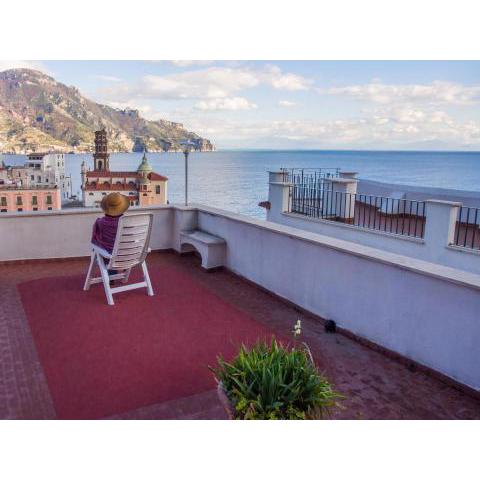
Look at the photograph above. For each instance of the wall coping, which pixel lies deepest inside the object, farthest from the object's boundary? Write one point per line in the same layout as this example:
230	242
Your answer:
283	184
408	188
458	248
77	211
341	180
443	202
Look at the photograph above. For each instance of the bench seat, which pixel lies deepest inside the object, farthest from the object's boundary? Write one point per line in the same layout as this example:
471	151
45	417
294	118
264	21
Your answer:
211	248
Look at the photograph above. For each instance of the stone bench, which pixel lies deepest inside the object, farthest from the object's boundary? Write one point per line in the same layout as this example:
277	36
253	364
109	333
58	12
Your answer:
211	248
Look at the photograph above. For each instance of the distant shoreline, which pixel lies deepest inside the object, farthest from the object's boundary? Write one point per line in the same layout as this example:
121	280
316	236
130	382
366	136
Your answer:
269	150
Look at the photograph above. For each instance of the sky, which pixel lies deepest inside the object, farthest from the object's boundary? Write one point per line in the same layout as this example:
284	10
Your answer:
401	105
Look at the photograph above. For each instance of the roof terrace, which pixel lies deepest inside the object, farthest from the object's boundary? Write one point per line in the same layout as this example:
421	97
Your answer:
404	349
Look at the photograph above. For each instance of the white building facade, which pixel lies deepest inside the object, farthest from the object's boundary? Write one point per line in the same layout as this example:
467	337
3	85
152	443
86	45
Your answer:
44	169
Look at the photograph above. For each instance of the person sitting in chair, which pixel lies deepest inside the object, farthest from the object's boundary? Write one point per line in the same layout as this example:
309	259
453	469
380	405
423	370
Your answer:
105	228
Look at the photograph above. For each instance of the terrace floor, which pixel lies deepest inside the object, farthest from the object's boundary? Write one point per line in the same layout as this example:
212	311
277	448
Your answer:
65	354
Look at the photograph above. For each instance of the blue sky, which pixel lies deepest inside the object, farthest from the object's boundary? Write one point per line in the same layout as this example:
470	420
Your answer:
295	104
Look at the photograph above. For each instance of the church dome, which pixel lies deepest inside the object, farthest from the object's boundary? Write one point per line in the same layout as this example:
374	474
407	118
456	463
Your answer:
144	168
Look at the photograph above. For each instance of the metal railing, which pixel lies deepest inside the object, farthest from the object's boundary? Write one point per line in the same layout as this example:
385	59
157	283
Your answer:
309	175
467	228
385	214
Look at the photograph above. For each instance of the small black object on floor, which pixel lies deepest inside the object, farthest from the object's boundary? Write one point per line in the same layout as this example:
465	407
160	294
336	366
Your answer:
330	326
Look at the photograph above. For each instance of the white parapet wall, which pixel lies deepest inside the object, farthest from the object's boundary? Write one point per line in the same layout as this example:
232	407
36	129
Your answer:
414	192
422	310
66	233
436	246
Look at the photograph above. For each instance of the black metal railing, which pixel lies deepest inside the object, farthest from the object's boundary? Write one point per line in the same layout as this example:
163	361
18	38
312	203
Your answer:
309	175
467	228
390	215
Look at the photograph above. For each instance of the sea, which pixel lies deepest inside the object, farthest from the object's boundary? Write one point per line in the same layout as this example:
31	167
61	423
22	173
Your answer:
237	180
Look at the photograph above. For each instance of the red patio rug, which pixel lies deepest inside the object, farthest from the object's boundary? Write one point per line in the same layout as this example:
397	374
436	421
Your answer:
101	360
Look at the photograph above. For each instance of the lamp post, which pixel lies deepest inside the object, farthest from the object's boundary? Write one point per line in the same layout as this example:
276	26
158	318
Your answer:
187	148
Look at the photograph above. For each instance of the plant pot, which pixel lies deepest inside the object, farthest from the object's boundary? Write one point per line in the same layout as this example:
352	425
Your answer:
225	401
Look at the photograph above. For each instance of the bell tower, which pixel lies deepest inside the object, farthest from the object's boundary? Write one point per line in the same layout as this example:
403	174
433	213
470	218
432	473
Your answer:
101	157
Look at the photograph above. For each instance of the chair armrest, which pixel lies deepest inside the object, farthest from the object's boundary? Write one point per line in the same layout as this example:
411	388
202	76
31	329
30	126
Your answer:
101	251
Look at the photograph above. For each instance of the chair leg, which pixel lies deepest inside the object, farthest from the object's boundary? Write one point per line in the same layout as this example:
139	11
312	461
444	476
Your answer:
89	273
127	275
105	279
147	279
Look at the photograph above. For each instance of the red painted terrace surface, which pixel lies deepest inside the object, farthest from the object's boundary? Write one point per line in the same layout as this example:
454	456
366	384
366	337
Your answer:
66	354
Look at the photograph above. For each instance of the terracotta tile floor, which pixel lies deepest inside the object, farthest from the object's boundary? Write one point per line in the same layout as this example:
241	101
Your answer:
375	386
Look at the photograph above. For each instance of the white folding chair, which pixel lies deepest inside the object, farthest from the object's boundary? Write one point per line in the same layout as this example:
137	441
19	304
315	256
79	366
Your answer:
130	249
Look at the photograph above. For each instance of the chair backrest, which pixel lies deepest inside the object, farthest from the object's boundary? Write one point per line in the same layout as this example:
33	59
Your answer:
132	241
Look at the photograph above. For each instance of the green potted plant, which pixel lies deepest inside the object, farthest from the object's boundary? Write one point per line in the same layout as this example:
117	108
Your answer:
273	381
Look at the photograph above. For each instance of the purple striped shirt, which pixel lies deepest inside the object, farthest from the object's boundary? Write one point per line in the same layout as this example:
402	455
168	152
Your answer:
105	231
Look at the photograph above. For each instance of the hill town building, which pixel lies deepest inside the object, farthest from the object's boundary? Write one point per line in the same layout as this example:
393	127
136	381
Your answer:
39	184
43	170
143	187
28	199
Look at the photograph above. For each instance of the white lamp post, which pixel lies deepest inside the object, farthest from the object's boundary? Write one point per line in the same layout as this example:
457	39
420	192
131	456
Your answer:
187	148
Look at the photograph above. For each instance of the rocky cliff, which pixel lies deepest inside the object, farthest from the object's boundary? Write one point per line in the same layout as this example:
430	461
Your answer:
39	113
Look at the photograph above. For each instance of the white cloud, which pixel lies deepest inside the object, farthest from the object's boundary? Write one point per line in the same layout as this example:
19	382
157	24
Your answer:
107	78
228	103
437	92
208	83
392	116
190	63
286	103
285	81
384	128
213	82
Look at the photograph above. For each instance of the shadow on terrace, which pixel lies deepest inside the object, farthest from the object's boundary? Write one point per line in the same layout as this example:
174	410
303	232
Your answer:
67	354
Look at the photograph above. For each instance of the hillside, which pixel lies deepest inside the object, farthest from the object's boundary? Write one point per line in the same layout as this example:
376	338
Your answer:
39	113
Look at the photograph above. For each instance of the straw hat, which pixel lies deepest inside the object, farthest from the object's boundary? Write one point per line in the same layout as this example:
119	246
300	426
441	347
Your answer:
114	204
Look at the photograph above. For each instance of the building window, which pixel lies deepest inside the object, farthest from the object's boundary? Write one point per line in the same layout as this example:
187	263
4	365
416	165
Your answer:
157	189
3	210
49	208
32	177
19	209
144	187
144	194
91	194
104	193
3	201
49	199
35	209
39	179
34	200
19	201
